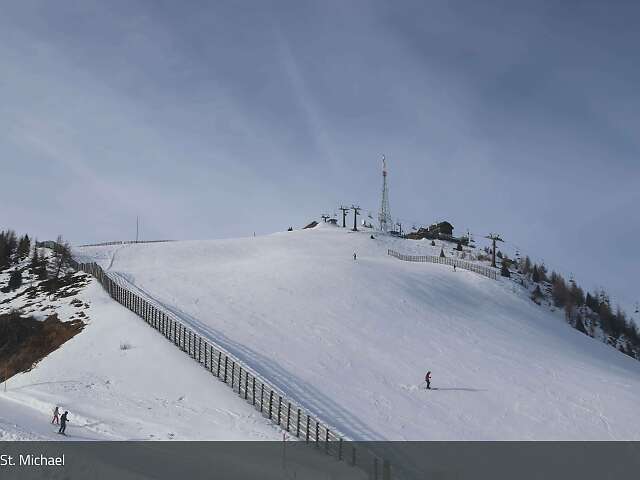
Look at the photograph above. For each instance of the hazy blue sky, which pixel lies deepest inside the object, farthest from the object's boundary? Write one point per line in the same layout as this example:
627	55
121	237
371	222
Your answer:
216	119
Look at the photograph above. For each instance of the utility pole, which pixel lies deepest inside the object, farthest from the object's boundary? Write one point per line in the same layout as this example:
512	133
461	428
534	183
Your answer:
399	224
494	237
356	212
344	215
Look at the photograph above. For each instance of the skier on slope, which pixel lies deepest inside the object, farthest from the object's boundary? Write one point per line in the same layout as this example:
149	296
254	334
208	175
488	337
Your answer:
427	378
63	423
354	255
56	413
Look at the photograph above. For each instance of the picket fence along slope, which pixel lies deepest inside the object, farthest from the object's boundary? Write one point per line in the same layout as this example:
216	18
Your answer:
481	269
248	385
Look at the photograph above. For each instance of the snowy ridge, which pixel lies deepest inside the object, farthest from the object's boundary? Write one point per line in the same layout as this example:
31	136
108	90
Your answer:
353	338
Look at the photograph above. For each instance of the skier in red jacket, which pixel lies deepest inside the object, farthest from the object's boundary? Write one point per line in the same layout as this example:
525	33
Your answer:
427	378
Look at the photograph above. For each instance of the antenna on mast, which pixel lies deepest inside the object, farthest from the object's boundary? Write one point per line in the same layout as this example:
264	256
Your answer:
384	217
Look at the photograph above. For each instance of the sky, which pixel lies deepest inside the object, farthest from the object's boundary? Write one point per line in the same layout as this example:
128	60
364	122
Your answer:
220	119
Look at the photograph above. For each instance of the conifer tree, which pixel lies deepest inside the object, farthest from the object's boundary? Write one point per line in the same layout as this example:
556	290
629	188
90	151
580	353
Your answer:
537	293
15	279
35	259
24	245
8	246
535	275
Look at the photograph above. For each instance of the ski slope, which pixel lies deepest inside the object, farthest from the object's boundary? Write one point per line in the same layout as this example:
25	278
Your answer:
150	391
352	340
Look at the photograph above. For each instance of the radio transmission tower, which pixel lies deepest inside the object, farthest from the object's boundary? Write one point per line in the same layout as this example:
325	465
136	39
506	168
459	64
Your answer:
384	217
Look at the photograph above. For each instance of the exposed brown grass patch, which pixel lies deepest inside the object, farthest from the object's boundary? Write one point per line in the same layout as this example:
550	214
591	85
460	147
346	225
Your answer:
24	341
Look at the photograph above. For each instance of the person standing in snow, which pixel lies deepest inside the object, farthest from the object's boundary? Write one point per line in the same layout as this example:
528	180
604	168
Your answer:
454	268
63	422
354	255
56	412
427	378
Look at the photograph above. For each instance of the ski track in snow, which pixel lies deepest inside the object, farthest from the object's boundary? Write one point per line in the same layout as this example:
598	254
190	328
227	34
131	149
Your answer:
149	391
302	392
349	340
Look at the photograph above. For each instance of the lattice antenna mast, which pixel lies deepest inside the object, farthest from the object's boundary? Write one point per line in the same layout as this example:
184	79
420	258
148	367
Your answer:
384	217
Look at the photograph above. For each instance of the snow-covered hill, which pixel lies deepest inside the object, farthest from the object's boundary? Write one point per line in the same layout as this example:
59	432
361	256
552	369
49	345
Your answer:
352	340
119	380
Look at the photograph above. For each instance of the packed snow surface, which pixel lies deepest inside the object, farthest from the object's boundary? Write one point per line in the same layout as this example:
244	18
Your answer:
352	339
121	380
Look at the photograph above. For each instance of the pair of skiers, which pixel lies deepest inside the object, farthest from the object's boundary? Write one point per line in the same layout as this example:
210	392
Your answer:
60	419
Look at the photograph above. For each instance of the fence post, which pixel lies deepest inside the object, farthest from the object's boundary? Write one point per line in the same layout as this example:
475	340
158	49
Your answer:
298	424
270	404
326	440
253	388
279	407
288	415
226	361
261	396
308	426
219	362
246	384
205	356
233	370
